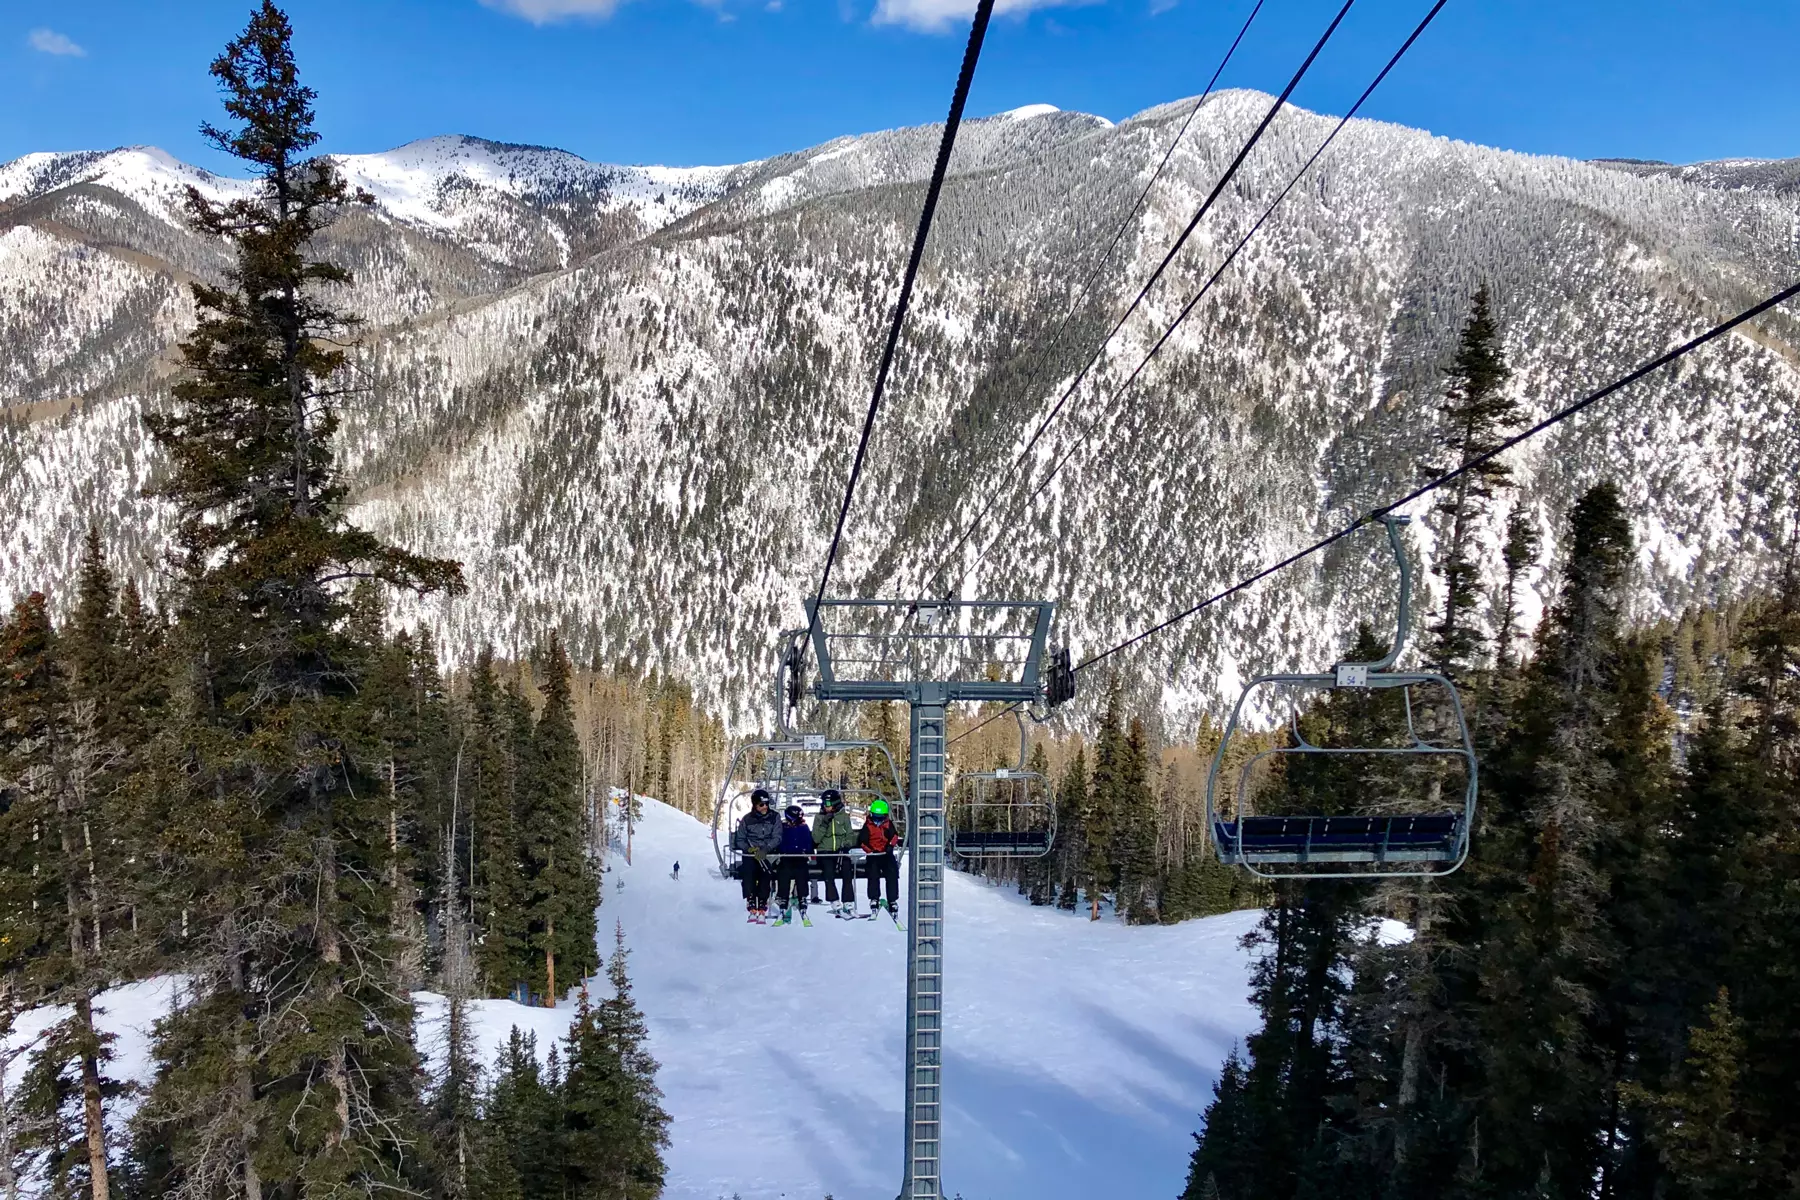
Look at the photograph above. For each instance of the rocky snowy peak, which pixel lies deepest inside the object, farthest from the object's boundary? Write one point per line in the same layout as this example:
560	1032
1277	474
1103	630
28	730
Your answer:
153	178
450	182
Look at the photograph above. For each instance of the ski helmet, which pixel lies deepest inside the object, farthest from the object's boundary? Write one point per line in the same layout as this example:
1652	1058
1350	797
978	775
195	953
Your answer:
878	808
759	796
793	812
831	798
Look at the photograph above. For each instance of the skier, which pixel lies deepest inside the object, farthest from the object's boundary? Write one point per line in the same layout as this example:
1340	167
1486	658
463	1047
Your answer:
758	835
675	872
833	837
796	856
879	838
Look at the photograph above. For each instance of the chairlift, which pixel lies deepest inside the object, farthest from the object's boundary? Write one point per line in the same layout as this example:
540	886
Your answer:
796	767
1005	813
795	771
1371	845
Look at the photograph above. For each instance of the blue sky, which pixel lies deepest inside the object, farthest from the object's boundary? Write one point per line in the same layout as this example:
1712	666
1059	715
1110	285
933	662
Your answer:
711	81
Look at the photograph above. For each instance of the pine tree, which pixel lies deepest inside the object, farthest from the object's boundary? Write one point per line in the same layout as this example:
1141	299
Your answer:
1101	818
613	1114
560	886
521	1126
1135	846
1069	853
1544	1091
294	1062
1477	415
497	898
1696	1125
1518	553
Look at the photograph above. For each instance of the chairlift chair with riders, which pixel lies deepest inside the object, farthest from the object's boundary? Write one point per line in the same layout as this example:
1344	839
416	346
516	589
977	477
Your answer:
1004	813
796	767
1384	842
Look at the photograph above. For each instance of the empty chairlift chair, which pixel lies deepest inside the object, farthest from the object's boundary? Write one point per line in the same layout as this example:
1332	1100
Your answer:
1005	813
1393	836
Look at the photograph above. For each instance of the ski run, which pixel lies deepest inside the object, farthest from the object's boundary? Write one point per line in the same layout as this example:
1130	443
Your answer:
1078	1054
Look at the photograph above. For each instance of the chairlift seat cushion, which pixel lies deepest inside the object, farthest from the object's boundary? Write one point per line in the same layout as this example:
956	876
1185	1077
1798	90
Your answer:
1425	837
969	841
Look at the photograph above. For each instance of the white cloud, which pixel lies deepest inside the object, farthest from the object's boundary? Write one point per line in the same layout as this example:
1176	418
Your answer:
543	12
48	41
937	15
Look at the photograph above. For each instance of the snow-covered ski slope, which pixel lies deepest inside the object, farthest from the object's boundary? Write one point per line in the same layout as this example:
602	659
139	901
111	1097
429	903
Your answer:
1077	1055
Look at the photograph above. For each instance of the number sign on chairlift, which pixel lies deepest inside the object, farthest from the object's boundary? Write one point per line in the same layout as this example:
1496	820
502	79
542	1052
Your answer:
1386	843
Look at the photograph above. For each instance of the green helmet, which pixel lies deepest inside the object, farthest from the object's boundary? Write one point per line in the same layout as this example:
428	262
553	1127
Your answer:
878	808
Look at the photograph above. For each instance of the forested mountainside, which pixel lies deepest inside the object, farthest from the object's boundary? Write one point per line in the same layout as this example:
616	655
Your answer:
627	398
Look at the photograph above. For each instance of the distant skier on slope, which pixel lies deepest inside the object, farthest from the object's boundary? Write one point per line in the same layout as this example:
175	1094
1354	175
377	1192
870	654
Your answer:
879	839
757	836
833	837
675	871
796	859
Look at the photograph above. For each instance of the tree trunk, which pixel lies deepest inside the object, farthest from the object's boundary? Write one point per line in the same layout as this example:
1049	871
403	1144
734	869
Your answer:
93	1116
9	1178
245	1084
91	1110
550	962
331	953
1412	1054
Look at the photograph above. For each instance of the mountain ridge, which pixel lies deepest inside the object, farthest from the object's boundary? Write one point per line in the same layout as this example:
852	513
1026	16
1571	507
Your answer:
637	434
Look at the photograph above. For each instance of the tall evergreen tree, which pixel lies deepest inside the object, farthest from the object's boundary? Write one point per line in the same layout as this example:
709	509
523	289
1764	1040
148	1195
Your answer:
522	1125
293	1066
560	886
497	899
1069	855
1477	414
1101	818
1544	1089
616	1128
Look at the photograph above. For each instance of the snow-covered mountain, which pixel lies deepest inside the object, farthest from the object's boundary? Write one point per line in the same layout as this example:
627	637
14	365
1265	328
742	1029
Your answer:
1078	1056
627	398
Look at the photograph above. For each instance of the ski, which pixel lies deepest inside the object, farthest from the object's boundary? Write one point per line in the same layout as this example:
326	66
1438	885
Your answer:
805	921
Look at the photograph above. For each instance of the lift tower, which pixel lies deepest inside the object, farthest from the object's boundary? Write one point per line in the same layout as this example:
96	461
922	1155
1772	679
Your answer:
929	653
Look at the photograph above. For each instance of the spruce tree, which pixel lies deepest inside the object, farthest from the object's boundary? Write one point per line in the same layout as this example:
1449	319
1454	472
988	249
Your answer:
1069	854
1477	415
1101	818
497	899
616	1128
560	886
522	1131
293	1064
1545	1079
1697	1124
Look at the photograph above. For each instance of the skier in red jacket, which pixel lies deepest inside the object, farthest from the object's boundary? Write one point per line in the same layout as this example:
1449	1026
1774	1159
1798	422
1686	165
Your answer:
879	839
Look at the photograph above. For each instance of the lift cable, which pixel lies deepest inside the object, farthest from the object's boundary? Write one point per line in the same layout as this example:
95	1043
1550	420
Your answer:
1144	291
1100	420
1375	514
977	31
1043	351
1479	460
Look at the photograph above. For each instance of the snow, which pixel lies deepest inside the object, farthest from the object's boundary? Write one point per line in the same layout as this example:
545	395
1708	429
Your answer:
1027	111
1078	1055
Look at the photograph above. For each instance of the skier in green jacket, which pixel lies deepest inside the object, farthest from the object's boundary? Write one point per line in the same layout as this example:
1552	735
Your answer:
833	839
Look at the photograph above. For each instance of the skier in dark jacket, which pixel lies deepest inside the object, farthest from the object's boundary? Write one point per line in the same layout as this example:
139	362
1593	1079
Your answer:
796	862
879	839
833	838
758	835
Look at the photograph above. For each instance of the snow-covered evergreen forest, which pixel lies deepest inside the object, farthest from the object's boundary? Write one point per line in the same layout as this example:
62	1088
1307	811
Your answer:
378	524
